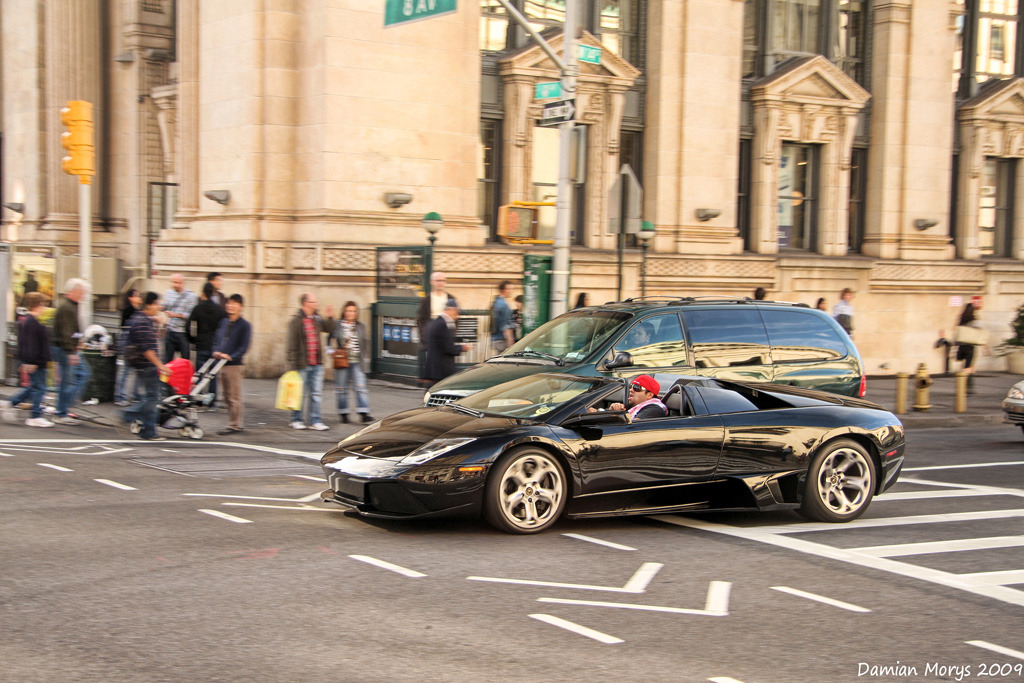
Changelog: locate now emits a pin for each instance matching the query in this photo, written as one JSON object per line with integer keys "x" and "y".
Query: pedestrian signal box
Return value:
{"x": 518, "y": 223}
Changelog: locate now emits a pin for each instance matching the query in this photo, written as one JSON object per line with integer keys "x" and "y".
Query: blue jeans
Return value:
{"x": 34, "y": 392}
{"x": 176, "y": 341}
{"x": 73, "y": 379}
{"x": 124, "y": 373}
{"x": 145, "y": 410}
{"x": 343, "y": 378}
{"x": 312, "y": 389}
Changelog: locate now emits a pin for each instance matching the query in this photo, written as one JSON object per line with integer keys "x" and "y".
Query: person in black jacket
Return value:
{"x": 132, "y": 303}
{"x": 231, "y": 343}
{"x": 442, "y": 347}
{"x": 202, "y": 325}
{"x": 34, "y": 354}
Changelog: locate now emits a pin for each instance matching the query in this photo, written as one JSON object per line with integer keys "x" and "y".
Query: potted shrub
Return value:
{"x": 1013, "y": 348}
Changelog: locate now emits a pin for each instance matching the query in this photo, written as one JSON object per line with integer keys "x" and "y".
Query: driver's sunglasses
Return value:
{"x": 637, "y": 387}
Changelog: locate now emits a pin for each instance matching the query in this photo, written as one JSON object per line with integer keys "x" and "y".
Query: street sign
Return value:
{"x": 556, "y": 113}
{"x": 402, "y": 11}
{"x": 591, "y": 55}
{"x": 547, "y": 91}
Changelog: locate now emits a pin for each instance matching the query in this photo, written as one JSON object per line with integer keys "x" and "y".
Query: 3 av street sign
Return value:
{"x": 401, "y": 11}
{"x": 547, "y": 91}
{"x": 559, "y": 112}
{"x": 590, "y": 54}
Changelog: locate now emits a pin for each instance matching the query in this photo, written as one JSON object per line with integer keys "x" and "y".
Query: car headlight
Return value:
{"x": 1015, "y": 393}
{"x": 434, "y": 448}
{"x": 362, "y": 432}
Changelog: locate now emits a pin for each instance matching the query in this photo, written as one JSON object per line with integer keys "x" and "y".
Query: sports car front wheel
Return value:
{"x": 840, "y": 483}
{"x": 526, "y": 492}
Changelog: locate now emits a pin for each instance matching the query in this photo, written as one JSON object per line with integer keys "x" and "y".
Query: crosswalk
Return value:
{"x": 953, "y": 531}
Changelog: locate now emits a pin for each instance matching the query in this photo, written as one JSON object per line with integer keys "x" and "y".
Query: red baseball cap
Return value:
{"x": 648, "y": 383}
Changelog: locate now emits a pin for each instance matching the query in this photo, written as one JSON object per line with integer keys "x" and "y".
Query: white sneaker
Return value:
{"x": 7, "y": 411}
{"x": 319, "y": 426}
{"x": 38, "y": 422}
{"x": 66, "y": 420}
{"x": 298, "y": 425}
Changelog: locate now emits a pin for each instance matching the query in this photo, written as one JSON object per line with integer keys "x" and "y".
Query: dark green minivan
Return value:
{"x": 737, "y": 339}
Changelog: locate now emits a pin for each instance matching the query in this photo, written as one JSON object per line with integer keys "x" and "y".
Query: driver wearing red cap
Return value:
{"x": 643, "y": 399}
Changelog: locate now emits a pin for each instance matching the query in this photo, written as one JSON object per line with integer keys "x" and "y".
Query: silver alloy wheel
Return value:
{"x": 844, "y": 481}
{"x": 530, "y": 491}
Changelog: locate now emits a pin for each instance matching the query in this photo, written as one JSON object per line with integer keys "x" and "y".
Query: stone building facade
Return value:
{"x": 888, "y": 164}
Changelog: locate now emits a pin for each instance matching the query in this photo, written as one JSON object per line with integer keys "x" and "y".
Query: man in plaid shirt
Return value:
{"x": 306, "y": 356}
{"x": 140, "y": 353}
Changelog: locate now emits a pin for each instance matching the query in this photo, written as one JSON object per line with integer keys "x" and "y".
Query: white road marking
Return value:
{"x": 820, "y": 598}
{"x": 301, "y": 506}
{"x": 1006, "y": 577}
{"x": 54, "y": 467}
{"x": 927, "y": 548}
{"x": 926, "y": 495}
{"x": 412, "y": 574}
{"x": 576, "y": 628}
{"x": 636, "y": 584}
{"x": 304, "y": 499}
{"x": 723, "y": 679}
{"x": 7, "y": 455}
{"x": 1001, "y": 593}
{"x": 981, "y": 490}
{"x": 224, "y": 515}
{"x": 962, "y": 467}
{"x": 311, "y": 455}
{"x": 306, "y": 476}
{"x": 123, "y": 487}
{"x": 948, "y": 517}
{"x": 996, "y": 648}
{"x": 717, "y": 604}
{"x": 598, "y": 541}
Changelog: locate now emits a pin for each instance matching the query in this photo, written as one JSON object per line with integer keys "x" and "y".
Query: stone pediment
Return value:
{"x": 810, "y": 80}
{"x": 1001, "y": 100}
{"x": 534, "y": 61}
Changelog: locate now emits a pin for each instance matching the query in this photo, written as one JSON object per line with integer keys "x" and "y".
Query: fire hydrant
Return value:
{"x": 922, "y": 382}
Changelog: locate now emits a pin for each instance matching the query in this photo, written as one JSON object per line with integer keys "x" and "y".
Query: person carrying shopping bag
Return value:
{"x": 351, "y": 363}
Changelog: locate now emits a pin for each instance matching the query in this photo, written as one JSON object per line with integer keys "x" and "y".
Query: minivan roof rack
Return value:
{"x": 708, "y": 299}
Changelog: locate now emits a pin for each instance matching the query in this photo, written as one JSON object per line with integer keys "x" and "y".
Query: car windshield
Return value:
{"x": 529, "y": 397}
{"x": 568, "y": 338}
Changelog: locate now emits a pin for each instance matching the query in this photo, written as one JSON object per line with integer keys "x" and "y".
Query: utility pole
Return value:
{"x": 568, "y": 66}
{"x": 81, "y": 161}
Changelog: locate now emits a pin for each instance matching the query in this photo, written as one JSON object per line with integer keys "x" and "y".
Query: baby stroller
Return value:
{"x": 183, "y": 393}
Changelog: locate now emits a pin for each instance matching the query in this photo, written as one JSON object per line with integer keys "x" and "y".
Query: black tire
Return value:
{"x": 840, "y": 483}
{"x": 525, "y": 492}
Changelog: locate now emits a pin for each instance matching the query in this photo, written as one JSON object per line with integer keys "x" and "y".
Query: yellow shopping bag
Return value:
{"x": 289, "y": 391}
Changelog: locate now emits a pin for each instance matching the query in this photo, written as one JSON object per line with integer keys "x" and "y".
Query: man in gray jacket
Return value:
{"x": 306, "y": 356}
{"x": 67, "y": 339}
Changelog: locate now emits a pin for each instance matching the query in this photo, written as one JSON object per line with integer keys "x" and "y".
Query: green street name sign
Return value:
{"x": 547, "y": 91}
{"x": 591, "y": 55}
{"x": 401, "y": 11}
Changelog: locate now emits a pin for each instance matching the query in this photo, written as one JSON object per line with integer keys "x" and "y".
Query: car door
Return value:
{"x": 808, "y": 351}
{"x": 655, "y": 342}
{"x": 649, "y": 453}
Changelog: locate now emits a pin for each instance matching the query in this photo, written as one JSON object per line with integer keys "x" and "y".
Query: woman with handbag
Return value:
{"x": 969, "y": 335}
{"x": 351, "y": 363}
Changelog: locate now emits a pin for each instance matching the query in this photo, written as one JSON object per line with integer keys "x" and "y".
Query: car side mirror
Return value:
{"x": 589, "y": 424}
{"x": 622, "y": 359}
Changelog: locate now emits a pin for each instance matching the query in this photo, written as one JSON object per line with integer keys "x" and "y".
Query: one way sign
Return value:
{"x": 556, "y": 113}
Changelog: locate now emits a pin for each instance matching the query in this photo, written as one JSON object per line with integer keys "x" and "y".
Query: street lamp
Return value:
{"x": 644, "y": 236}
{"x": 432, "y": 222}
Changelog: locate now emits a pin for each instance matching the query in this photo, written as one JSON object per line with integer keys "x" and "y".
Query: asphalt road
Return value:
{"x": 214, "y": 561}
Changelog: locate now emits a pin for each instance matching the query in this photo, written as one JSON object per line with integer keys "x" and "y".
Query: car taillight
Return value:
{"x": 863, "y": 385}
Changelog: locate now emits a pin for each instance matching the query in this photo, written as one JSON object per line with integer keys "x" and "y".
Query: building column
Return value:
{"x": 764, "y": 180}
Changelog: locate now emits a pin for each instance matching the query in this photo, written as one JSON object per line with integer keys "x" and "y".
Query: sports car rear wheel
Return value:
{"x": 526, "y": 492}
{"x": 840, "y": 483}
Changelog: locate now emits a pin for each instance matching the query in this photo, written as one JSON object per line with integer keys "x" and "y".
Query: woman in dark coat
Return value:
{"x": 132, "y": 303}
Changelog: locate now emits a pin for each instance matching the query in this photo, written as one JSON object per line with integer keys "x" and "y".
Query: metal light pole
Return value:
{"x": 645, "y": 234}
{"x": 563, "y": 203}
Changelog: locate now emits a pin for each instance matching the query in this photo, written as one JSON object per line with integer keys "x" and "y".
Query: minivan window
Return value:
{"x": 727, "y": 338}
{"x": 572, "y": 336}
{"x": 799, "y": 336}
{"x": 655, "y": 342}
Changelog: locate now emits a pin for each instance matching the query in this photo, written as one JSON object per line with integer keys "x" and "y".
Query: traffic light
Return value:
{"x": 517, "y": 223}
{"x": 78, "y": 140}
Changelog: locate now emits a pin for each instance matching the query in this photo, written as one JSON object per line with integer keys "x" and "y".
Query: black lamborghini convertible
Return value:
{"x": 528, "y": 451}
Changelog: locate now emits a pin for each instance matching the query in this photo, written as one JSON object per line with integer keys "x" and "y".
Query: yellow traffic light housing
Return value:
{"x": 518, "y": 222}
{"x": 78, "y": 140}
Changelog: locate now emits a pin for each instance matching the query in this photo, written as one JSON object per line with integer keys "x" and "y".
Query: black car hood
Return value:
{"x": 401, "y": 434}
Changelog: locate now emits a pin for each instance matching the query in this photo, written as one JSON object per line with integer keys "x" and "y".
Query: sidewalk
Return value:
{"x": 264, "y": 423}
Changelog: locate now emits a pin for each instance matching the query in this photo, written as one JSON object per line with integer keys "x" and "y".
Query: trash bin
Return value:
{"x": 103, "y": 365}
